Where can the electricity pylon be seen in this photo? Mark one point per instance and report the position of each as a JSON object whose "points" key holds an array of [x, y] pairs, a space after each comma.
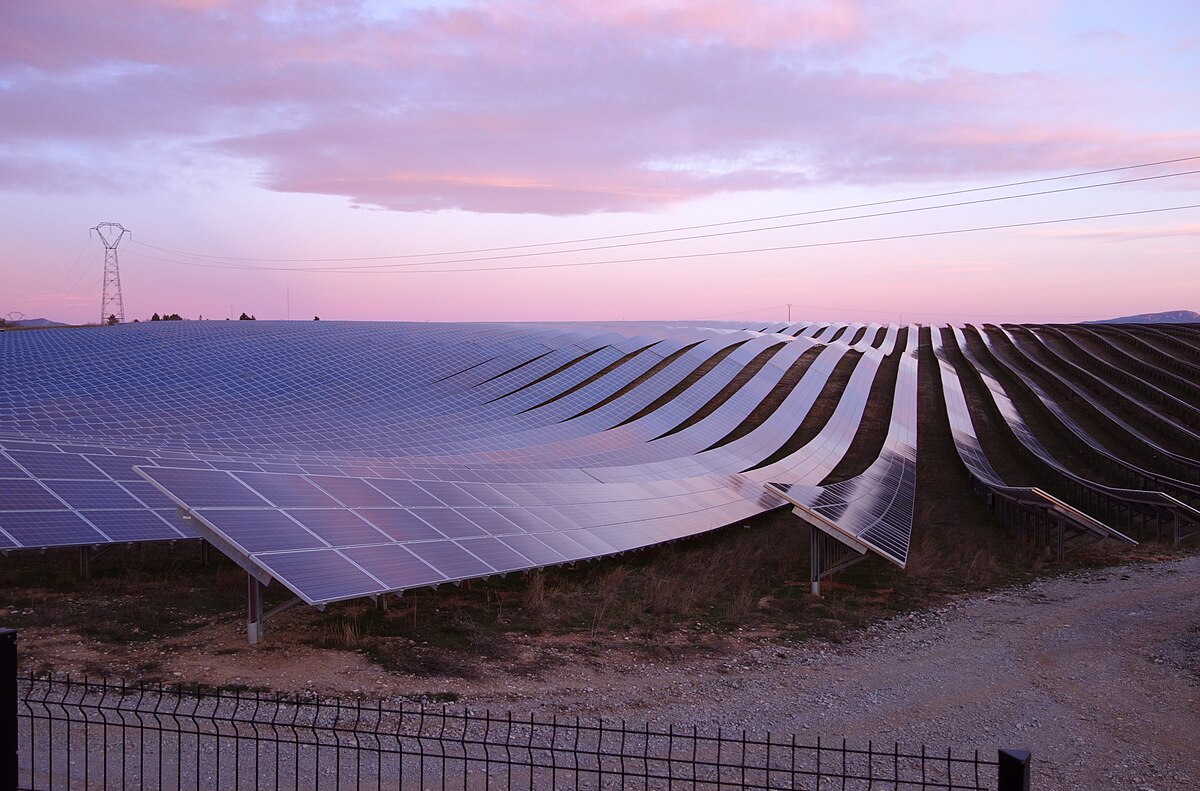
{"points": [[111, 301]]}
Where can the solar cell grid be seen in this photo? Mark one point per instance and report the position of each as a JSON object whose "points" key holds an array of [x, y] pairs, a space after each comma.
{"points": [[394, 566], [451, 560], [93, 494], [136, 525], [27, 495], [401, 524], [286, 491], [55, 466], [203, 488], [338, 527], [320, 575], [10, 470], [49, 529], [260, 529], [405, 493]]}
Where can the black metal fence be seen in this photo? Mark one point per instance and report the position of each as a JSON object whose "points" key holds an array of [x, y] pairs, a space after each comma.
{"points": [[88, 734]]}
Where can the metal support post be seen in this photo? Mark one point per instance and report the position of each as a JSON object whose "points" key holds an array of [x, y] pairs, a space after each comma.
{"points": [[814, 563], [8, 709], [1014, 770], [85, 563], [205, 551], [254, 610]]}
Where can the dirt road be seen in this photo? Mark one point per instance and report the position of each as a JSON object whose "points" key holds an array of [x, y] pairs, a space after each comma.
{"points": [[1097, 672]]}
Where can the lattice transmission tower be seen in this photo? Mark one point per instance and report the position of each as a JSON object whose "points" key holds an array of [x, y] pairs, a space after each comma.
{"points": [[111, 301]]}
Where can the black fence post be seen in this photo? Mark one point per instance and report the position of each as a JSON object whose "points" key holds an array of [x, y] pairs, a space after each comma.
{"points": [[8, 710], [1014, 770]]}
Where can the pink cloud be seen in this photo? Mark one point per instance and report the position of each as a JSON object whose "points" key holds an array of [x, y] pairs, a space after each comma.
{"points": [[1121, 234], [517, 106]]}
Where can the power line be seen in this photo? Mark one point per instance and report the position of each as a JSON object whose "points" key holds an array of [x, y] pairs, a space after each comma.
{"points": [[57, 296], [691, 227], [682, 256], [689, 238]]}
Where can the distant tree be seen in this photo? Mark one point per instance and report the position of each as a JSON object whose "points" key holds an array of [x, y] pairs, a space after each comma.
{"points": [[111, 320], [172, 317], [137, 321], [316, 318], [245, 317], [155, 317]]}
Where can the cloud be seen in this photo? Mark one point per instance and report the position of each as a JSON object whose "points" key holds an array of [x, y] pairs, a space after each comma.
{"points": [[1121, 234], [553, 108]]}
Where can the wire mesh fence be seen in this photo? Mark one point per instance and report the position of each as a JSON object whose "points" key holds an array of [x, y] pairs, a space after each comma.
{"points": [[89, 734]]}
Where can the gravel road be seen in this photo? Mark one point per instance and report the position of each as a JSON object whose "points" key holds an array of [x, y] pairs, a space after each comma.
{"points": [[1096, 672]]}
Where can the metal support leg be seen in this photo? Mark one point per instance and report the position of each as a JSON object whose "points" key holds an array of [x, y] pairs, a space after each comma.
{"points": [[381, 602], [85, 563], [205, 552], [814, 563], [254, 610]]}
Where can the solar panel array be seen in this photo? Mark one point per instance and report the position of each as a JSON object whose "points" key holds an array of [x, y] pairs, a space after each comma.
{"points": [[351, 459]]}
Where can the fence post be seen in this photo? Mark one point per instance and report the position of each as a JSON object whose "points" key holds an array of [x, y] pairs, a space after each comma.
{"points": [[1014, 770], [8, 710]]}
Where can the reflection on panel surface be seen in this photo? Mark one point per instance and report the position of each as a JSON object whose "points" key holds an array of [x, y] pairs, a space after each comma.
{"points": [[346, 459]]}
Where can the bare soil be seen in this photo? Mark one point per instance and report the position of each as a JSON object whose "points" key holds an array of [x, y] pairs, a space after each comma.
{"points": [[1097, 671]]}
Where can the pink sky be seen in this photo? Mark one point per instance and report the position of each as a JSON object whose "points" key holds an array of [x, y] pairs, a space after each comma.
{"points": [[292, 131]]}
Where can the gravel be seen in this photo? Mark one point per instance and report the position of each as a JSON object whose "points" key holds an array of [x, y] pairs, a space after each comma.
{"points": [[1096, 672]]}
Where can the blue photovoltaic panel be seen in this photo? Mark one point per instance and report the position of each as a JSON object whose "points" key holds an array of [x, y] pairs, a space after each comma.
{"points": [[26, 495], [564, 545], [400, 524], [394, 566], [491, 522], [10, 470], [119, 468], [405, 493], [450, 523], [450, 559], [286, 491], [498, 439], [488, 495], [140, 525], [449, 493], [260, 530], [49, 529], [495, 554], [275, 467], [147, 493], [338, 527], [55, 465], [204, 488], [533, 549], [523, 519], [93, 494], [320, 575], [353, 492]]}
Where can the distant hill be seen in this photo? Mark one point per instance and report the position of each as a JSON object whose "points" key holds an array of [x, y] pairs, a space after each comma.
{"points": [[36, 323], [1168, 317]]}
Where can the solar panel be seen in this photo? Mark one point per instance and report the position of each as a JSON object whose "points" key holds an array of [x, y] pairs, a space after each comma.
{"points": [[49, 529], [347, 459]]}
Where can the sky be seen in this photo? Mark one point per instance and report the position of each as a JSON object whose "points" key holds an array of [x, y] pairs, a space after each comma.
{"points": [[541, 161]]}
